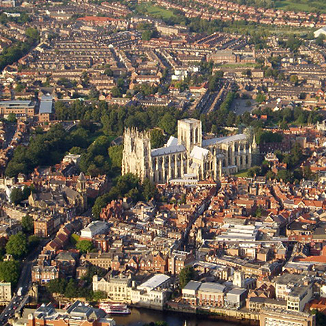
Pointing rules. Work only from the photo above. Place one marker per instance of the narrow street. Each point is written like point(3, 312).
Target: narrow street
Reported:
point(18, 301)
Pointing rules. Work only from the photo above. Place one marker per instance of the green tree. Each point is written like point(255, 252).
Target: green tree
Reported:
point(284, 175)
point(270, 175)
point(108, 71)
point(32, 34)
point(186, 274)
point(27, 224)
point(115, 92)
point(16, 196)
point(93, 93)
point(149, 189)
point(84, 246)
point(157, 138)
point(33, 241)
point(99, 295)
point(100, 203)
point(71, 289)
point(74, 238)
point(168, 123)
point(230, 119)
point(17, 245)
point(307, 173)
point(252, 172)
point(57, 285)
point(260, 98)
point(146, 35)
point(9, 271)
point(11, 117)
point(294, 79)
point(115, 154)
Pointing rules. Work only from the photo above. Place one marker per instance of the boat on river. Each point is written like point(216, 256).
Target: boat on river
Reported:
point(115, 308)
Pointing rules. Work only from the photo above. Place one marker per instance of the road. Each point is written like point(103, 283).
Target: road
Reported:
point(10, 131)
point(18, 302)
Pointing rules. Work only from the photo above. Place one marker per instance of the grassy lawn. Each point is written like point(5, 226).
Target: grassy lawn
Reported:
point(242, 173)
point(155, 10)
point(303, 5)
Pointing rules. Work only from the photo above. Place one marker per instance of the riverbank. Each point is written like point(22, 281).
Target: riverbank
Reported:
point(140, 316)
point(242, 316)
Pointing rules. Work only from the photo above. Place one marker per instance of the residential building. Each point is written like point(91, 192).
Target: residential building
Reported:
point(77, 314)
point(5, 292)
point(279, 317)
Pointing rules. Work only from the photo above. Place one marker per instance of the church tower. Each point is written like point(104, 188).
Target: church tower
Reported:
point(190, 133)
point(81, 183)
point(239, 279)
point(81, 188)
point(137, 153)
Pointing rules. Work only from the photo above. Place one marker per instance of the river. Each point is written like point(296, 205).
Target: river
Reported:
point(138, 317)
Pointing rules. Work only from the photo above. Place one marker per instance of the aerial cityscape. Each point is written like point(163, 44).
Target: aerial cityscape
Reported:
point(163, 162)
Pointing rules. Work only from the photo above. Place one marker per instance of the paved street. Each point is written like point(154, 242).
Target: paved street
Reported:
point(18, 302)
point(10, 131)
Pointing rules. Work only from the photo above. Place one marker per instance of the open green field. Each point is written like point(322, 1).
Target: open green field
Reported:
point(155, 10)
point(301, 5)
point(242, 174)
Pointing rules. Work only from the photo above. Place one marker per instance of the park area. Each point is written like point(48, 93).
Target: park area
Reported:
point(301, 5)
point(155, 11)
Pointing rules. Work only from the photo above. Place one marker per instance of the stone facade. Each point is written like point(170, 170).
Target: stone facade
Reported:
point(5, 292)
point(188, 156)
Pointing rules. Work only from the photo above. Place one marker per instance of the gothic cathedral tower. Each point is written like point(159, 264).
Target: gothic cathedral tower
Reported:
point(137, 154)
point(190, 133)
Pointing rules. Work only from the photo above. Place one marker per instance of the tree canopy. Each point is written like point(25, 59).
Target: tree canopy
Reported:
point(186, 274)
point(27, 224)
point(127, 185)
point(9, 271)
point(84, 246)
point(17, 245)
point(157, 138)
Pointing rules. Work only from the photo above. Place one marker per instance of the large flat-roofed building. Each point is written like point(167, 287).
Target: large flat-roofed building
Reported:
point(282, 317)
point(94, 228)
point(190, 292)
point(46, 108)
point(185, 156)
point(158, 281)
point(153, 293)
point(295, 289)
point(211, 294)
point(19, 107)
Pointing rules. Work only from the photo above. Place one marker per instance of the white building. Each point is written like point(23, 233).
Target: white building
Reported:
point(153, 293)
point(94, 228)
point(294, 289)
point(320, 31)
point(117, 288)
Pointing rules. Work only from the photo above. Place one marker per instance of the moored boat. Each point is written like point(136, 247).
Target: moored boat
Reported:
point(115, 308)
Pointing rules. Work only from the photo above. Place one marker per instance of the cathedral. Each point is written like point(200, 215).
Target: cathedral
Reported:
point(188, 156)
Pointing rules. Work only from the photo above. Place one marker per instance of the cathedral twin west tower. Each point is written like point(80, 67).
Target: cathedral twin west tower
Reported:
point(188, 156)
